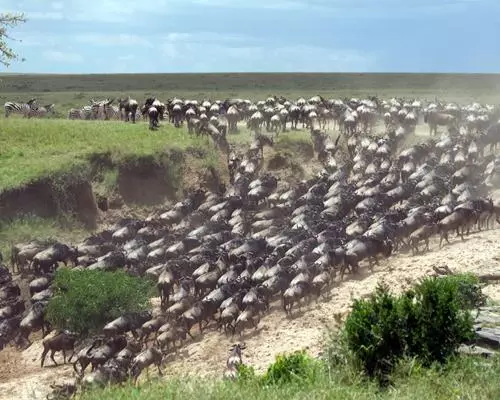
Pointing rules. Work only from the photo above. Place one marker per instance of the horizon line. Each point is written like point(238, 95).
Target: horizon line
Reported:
point(246, 73)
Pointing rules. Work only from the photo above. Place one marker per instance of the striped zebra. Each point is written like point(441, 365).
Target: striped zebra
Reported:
point(11, 107)
point(101, 109)
point(113, 113)
point(40, 112)
point(81, 113)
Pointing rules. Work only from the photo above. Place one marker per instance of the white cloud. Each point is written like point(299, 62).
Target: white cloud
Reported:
point(226, 56)
point(197, 37)
point(275, 5)
point(62, 57)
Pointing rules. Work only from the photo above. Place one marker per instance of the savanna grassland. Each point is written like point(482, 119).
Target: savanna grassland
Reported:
point(67, 91)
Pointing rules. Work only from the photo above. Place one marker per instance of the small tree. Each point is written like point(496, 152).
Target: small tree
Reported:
point(8, 21)
point(84, 301)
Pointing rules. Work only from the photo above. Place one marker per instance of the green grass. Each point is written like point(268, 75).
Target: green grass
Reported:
point(68, 91)
point(33, 149)
point(463, 378)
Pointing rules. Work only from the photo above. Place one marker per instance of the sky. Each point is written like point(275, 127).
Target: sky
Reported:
point(132, 36)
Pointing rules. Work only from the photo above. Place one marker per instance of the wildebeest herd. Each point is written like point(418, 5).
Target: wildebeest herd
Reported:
point(349, 115)
point(221, 258)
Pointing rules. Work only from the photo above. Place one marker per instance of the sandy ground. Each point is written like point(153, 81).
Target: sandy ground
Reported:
point(22, 378)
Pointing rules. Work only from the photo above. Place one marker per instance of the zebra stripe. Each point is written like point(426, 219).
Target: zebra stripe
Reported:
point(41, 112)
point(113, 112)
point(103, 109)
point(74, 113)
point(80, 113)
point(24, 109)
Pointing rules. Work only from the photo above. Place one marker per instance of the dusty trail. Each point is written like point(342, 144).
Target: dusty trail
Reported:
point(21, 377)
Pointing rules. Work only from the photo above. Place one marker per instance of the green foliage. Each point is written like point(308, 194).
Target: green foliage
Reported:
point(296, 368)
point(246, 373)
point(85, 300)
point(8, 21)
point(427, 323)
point(373, 332)
point(435, 320)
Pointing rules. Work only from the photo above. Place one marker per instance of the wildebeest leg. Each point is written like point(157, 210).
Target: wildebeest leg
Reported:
point(415, 249)
point(160, 372)
point(44, 354)
point(52, 353)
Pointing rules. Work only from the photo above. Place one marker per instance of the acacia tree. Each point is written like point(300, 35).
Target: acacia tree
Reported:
point(7, 22)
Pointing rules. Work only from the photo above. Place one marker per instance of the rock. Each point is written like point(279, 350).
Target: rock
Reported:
point(489, 337)
point(475, 350)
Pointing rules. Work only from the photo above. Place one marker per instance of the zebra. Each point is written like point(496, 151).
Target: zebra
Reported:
point(113, 112)
point(41, 112)
point(100, 109)
point(81, 113)
point(19, 108)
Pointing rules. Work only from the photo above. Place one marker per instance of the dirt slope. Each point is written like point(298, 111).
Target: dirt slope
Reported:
point(21, 377)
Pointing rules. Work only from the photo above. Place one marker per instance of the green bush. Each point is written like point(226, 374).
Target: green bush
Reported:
point(295, 367)
point(373, 332)
point(84, 301)
point(436, 320)
point(428, 323)
point(246, 373)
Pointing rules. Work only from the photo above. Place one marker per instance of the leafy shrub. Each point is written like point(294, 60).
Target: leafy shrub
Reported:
point(84, 301)
point(373, 332)
point(296, 367)
point(427, 323)
point(246, 373)
point(435, 318)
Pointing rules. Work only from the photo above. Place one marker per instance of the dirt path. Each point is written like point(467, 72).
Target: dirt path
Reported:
point(21, 377)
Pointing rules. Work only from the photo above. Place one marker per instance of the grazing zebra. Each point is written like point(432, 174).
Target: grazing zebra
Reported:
point(41, 112)
point(19, 108)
